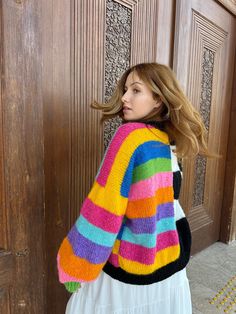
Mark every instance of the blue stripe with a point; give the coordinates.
(93, 233)
(127, 180)
(166, 224)
(146, 239)
(145, 152)
(151, 150)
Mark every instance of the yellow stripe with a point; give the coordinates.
(116, 247)
(163, 258)
(109, 197)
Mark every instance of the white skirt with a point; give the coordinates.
(109, 296)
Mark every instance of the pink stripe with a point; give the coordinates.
(145, 255)
(63, 277)
(166, 239)
(148, 187)
(113, 259)
(115, 144)
(99, 217)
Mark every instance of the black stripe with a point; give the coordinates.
(177, 178)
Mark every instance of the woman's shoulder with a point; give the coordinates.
(127, 130)
(131, 126)
(140, 132)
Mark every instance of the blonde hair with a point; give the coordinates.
(180, 119)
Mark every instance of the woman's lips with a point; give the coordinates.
(126, 109)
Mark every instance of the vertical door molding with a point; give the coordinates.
(6, 257)
(228, 220)
(165, 29)
(144, 30)
(86, 130)
(58, 97)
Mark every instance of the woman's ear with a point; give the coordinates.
(158, 103)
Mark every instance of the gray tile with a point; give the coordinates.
(195, 311)
(208, 272)
(200, 298)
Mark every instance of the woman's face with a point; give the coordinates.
(138, 99)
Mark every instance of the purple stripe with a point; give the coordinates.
(148, 225)
(165, 211)
(84, 248)
(142, 225)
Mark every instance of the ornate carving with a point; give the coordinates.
(206, 85)
(117, 60)
(199, 182)
(205, 109)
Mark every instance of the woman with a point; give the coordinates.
(131, 243)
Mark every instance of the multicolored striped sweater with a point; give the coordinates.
(131, 225)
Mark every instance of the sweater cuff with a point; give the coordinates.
(72, 286)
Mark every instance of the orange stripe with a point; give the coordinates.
(145, 208)
(75, 266)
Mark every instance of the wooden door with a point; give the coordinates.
(22, 272)
(203, 60)
(86, 46)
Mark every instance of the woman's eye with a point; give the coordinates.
(135, 90)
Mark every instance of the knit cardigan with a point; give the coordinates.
(131, 225)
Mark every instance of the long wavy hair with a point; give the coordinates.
(180, 120)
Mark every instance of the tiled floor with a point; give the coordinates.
(208, 272)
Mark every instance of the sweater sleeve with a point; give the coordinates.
(88, 245)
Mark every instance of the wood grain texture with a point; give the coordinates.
(144, 29)
(128, 3)
(57, 23)
(229, 4)
(228, 220)
(165, 32)
(22, 135)
(87, 132)
(73, 76)
(3, 211)
(232, 236)
(6, 280)
(6, 266)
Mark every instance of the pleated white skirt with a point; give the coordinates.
(109, 296)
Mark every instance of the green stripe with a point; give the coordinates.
(150, 168)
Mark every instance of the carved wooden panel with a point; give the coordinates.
(117, 52)
(207, 42)
(144, 35)
(201, 66)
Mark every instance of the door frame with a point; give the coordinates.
(228, 219)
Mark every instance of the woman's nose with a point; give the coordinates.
(124, 98)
